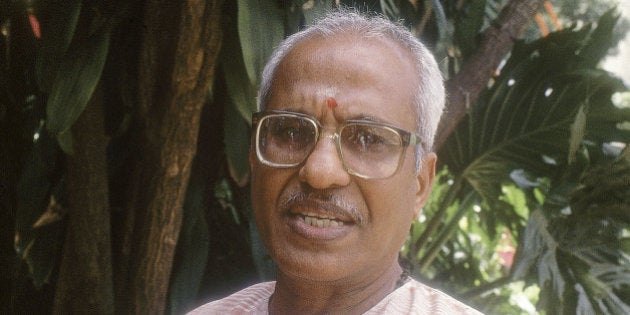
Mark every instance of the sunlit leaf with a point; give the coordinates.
(241, 90)
(549, 105)
(525, 119)
(578, 129)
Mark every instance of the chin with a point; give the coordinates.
(315, 267)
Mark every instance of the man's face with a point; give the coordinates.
(369, 79)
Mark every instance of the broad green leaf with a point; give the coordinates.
(579, 258)
(260, 29)
(601, 40)
(241, 90)
(65, 142)
(58, 21)
(236, 136)
(548, 96)
(79, 73)
(37, 246)
(524, 121)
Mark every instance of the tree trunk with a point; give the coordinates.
(180, 44)
(464, 88)
(85, 276)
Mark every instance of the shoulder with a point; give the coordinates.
(251, 300)
(416, 298)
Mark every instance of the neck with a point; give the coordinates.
(303, 296)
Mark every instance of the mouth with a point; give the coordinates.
(320, 220)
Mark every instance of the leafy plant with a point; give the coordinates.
(541, 124)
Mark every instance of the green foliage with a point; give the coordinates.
(58, 24)
(66, 66)
(542, 126)
(525, 130)
(236, 137)
(260, 29)
(36, 239)
(526, 171)
(79, 73)
(75, 62)
(577, 240)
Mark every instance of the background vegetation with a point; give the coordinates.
(124, 132)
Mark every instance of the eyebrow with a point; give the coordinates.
(355, 117)
(370, 118)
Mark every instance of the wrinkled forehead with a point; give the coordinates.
(366, 70)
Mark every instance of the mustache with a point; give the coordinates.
(330, 203)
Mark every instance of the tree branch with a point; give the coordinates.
(464, 88)
(85, 275)
(181, 41)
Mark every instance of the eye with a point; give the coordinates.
(368, 138)
(291, 131)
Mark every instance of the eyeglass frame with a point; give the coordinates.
(407, 138)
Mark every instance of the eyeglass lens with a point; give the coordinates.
(367, 150)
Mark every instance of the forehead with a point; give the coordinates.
(367, 76)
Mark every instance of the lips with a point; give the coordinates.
(318, 217)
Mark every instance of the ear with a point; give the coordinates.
(424, 182)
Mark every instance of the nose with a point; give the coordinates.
(323, 168)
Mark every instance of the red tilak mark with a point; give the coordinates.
(332, 104)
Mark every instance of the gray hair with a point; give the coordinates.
(430, 96)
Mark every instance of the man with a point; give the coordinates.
(341, 166)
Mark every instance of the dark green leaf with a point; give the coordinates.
(79, 73)
(524, 121)
(260, 29)
(236, 137)
(38, 247)
(601, 39)
(240, 89)
(58, 21)
(65, 142)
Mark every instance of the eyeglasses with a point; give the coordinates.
(366, 148)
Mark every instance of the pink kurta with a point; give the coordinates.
(411, 298)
